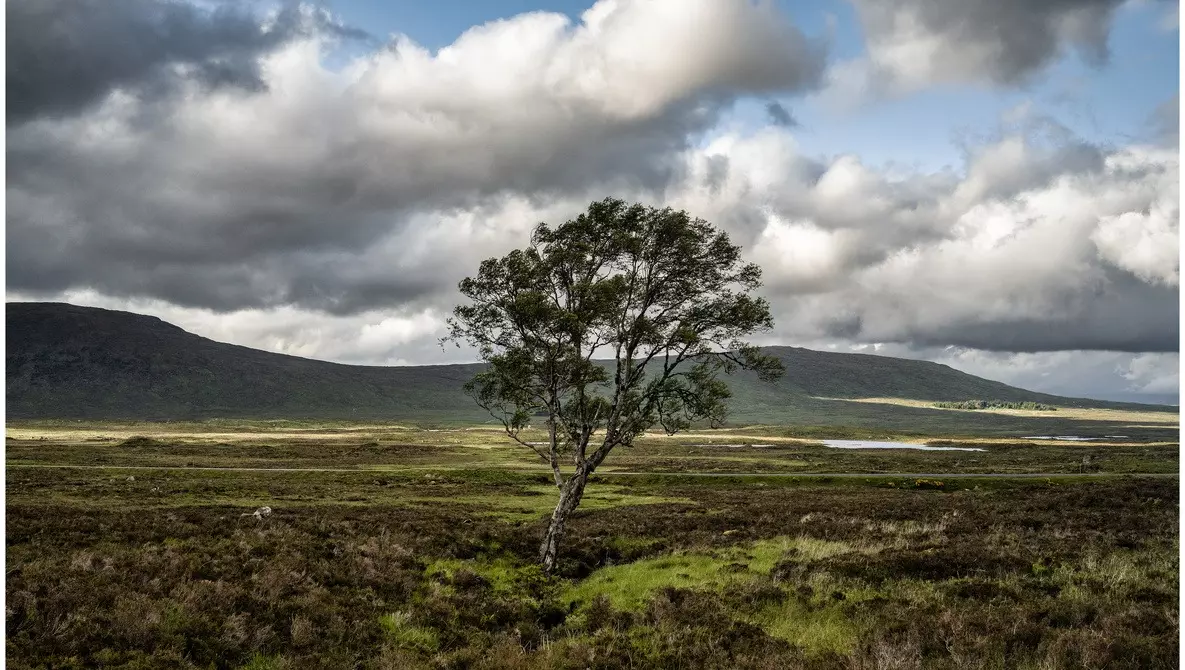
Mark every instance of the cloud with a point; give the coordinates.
(1036, 246)
(193, 199)
(913, 44)
(779, 115)
(1152, 374)
(64, 56)
(1165, 121)
(1170, 21)
(331, 212)
(1033, 246)
(1145, 244)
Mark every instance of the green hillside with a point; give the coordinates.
(65, 361)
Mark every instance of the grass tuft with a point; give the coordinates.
(406, 635)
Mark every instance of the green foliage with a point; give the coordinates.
(664, 295)
(996, 404)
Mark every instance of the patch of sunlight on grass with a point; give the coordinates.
(604, 497)
(503, 574)
(629, 543)
(402, 633)
(1118, 571)
(815, 630)
(629, 586)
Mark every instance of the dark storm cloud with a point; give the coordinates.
(66, 55)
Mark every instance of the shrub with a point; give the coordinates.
(996, 404)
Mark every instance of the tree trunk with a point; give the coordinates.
(570, 495)
(555, 464)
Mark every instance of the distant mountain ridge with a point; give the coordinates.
(67, 361)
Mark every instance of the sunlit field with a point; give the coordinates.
(1131, 417)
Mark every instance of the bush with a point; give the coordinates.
(996, 404)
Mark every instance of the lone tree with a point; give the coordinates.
(666, 296)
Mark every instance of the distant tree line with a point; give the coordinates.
(996, 404)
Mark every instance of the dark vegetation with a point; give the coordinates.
(122, 569)
(64, 361)
(996, 404)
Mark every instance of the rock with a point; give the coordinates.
(131, 478)
(262, 512)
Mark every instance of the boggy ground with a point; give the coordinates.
(168, 569)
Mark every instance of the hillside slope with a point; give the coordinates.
(65, 361)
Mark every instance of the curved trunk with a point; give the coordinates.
(570, 494)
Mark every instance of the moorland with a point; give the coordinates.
(137, 545)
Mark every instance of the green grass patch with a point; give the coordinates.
(504, 575)
(629, 586)
(816, 630)
(406, 635)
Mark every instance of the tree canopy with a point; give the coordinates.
(664, 296)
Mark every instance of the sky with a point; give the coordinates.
(990, 184)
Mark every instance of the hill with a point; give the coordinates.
(66, 361)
